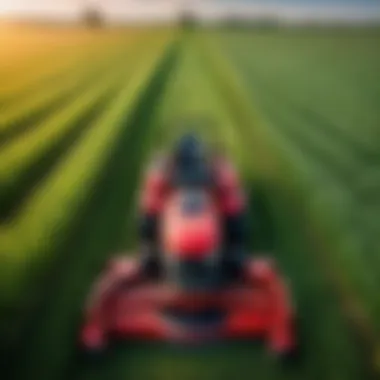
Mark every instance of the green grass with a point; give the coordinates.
(30, 157)
(28, 240)
(23, 114)
(298, 148)
(320, 95)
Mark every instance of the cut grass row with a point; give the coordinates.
(341, 160)
(182, 105)
(323, 131)
(24, 42)
(329, 71)
(29, 74)
(353, 270)
(283, 187)
(14, 86)
(16, 190)
(24, 159)
(97, 233)
(334, 177)
(18, 156)
(43, 222)
(53, 70)
(333, 146)
(23, 115)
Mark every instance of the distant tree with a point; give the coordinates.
(232, 22)
(266, 23)
(188, 20)
(93, 17)
(238, 22)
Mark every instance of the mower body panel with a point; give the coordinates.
(131, 307)
(194, 298)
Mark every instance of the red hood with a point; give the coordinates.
(193, 238)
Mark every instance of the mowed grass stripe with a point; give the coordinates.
(327, 81)
(51, 70)
(334, 182)
(336, 71)
(312, 289)
(43, 157)
(340, 161)
(45, 218)
(183, 107)
(55, 70)
(97, 233)
(21, 156)
(22, 115)
(25, 74)
(19, 79)
(25, 43)
(339, 201)
(319, 88)
(45, 104)
(338, 174)
(43, 163)
(24, 153)
(356, 310)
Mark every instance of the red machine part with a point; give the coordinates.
(120, 274)
(258, 307)
(231, 196)
(156, 188)
(190, 236)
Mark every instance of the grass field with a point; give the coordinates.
(298, 111)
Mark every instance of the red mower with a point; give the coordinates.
(193, 297)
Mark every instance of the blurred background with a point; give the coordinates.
(89, 89)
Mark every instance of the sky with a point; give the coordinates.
(209, 8)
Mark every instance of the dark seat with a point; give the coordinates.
(196, 175)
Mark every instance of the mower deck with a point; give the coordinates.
(134, 308)
(144, 312)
